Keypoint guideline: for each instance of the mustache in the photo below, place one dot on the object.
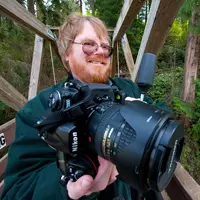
(97, 58)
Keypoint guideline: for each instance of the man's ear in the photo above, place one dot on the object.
(66, 62)
(67, 54)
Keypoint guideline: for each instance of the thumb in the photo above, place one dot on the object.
(79, 188)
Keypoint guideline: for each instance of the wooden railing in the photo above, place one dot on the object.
(182, 186)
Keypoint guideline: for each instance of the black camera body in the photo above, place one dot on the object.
(142, 140)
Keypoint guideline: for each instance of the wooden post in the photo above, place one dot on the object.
(183, 186)
(118, 67)
(127, 53)
(165, 16)
(152, 14)
(35, 70)
(128, 13)
(10, 96)
(114, 61)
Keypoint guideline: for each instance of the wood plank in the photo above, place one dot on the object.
(165, 195)
(10, 96)
(114, 61)
(18, 13)
(1, 186)
(148, 28)
(35, 69)
(56, 28)
(8, 129)
(127, 53)
(183, 186)
(128, 13)
(166, 14)
(3, 163)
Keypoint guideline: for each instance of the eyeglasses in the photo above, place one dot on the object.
(90, 47)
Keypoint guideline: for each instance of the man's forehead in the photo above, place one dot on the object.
(89, 32)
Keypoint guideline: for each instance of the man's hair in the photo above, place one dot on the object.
(72, 27)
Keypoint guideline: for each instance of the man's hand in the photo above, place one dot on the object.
(85, 185)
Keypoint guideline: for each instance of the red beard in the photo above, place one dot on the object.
(91, 73)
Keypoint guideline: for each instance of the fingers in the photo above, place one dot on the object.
(79, 188)
(104, 176)
(113, 176)
(85, 185)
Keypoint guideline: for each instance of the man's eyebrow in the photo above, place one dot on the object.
(89, 39)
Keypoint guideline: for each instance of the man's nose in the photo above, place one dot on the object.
(99, 51)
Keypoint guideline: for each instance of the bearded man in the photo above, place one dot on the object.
(31, 172)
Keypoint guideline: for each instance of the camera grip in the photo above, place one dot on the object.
(81, 165)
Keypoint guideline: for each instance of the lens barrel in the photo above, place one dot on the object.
(143, 141)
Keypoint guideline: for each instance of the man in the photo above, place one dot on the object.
(31, 171)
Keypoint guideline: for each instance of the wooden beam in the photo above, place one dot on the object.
(1, 186)
(118, 70)
(18, 13)
(166, 14)
(165, 195)
(8, 129)
(3, 162)
(128, 13)
(183, 186)
(148, 28)
(56, 28)
(114, 61)
(10, 96)
(127, 53)
(35, 69)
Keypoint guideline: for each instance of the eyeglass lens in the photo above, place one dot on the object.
(90, 47)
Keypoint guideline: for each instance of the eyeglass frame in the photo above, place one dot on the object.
(81, 43)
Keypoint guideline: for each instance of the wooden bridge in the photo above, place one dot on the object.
(161, 17)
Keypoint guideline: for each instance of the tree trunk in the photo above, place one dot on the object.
(92, 6)
(81, 6)
(31, 6)
(146, 11)
(191, 61)
(41, 11)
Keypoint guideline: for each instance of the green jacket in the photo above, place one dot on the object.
(31, 171)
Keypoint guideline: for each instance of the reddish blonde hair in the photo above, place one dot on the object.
(72, 27)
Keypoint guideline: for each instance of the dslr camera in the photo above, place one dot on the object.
(86, 120)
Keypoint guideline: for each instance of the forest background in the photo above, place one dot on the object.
(17, 43)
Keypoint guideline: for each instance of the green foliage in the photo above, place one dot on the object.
(16, 49)
(15, 55)
(178, 33)
(108, 11)
(191, 151)
(164, 88)
(134, 34)
(188, 8)
(5, 111)
(54, 12)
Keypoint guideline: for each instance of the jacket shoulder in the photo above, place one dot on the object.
(37, 107)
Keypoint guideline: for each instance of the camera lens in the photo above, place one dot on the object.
(143, 141)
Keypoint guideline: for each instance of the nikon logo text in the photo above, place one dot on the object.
(74, 142)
